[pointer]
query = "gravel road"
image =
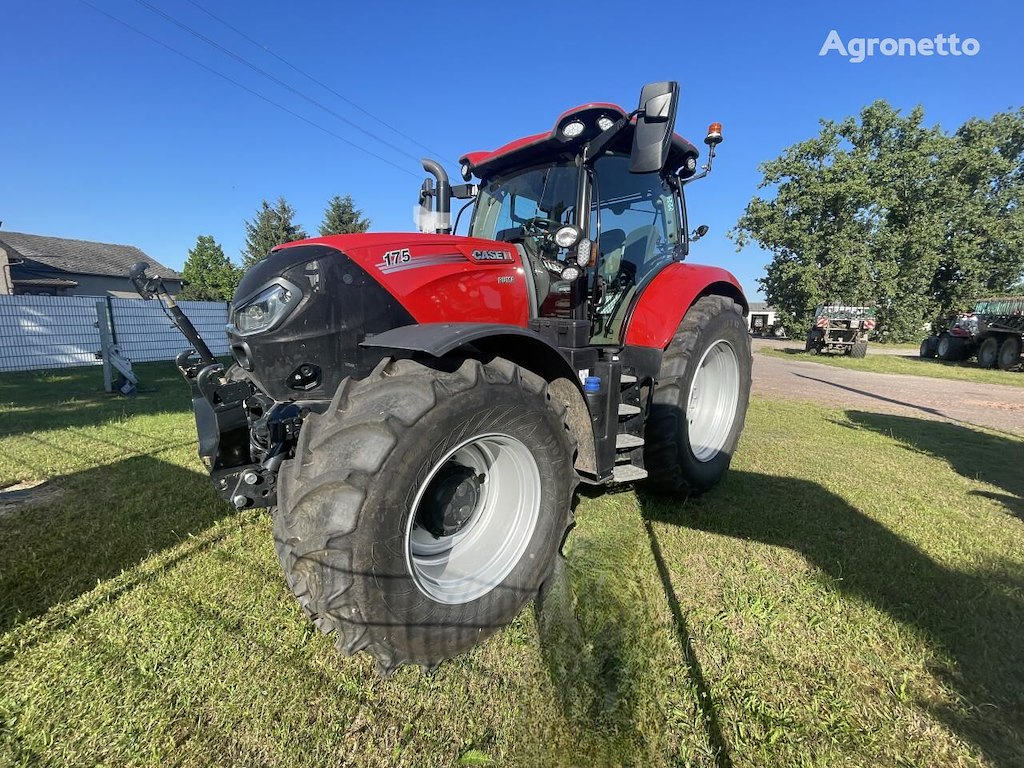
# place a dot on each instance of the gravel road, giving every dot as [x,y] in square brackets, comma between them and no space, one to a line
[995,406]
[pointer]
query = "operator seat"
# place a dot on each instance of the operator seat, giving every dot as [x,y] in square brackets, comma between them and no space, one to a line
[635,250]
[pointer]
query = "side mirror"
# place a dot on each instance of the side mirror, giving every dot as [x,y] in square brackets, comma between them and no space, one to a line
[698,233]
[656,117]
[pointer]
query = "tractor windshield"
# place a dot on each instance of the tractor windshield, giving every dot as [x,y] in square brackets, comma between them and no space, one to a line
[519,204]
[525,208]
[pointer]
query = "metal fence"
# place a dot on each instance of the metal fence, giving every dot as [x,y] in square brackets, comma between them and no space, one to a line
[60,331]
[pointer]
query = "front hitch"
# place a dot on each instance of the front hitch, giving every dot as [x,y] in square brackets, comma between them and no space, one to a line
[153,287]
[242,457]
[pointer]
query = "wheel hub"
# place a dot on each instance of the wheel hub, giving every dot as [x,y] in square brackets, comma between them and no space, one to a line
[450,500]
[712,402]
[473,518]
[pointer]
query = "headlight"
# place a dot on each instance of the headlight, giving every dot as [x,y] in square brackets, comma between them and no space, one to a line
[566,237]
[583,252]
[573,129]
[604,123]
[571,273]
[265,310]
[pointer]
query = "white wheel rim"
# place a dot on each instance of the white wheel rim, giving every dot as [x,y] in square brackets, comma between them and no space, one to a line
[712,400]
[469,563]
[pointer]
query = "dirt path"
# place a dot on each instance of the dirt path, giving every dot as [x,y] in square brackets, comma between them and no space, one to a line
[987,405]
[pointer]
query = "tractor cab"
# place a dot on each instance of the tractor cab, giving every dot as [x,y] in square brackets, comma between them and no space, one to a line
[594,207]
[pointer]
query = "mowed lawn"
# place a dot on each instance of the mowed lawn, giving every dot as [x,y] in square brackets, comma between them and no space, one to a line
[851,595]
[910,364]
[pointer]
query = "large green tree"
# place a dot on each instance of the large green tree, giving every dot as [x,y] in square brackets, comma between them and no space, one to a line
[272,226]
[341,217]
[882,209]
[209,274]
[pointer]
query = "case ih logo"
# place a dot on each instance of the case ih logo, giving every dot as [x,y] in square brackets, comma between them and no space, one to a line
[492,256]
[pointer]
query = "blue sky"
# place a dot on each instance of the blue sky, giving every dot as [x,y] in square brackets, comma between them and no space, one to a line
[105,135]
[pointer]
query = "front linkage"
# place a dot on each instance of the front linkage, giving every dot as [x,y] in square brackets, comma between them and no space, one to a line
[243,461]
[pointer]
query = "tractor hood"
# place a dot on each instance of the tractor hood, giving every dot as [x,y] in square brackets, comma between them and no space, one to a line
[299,315]
[438,278]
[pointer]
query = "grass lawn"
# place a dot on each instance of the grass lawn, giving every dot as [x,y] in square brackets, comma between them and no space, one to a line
[910,346]
[851,595]
[910,364]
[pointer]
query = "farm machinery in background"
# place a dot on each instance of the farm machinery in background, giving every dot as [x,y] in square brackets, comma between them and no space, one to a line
[839,328]
[418,408]
[992,333]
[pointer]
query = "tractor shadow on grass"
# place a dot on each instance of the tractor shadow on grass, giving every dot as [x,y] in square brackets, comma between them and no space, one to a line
[581,621]
[977,455]
[104,521]
[971,618]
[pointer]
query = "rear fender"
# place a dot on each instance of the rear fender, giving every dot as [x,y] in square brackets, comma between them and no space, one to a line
[658,310]
[522,346]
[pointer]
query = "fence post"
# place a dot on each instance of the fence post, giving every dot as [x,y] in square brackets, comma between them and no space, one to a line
[110,314]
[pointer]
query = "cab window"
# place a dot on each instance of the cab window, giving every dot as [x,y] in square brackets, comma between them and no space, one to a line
[637,226]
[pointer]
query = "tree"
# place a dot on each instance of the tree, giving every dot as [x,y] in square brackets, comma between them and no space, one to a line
[883,210]
[209,274]
[341,217]
[272,226]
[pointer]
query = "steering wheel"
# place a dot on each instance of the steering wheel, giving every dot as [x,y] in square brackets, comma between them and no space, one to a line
[540,224]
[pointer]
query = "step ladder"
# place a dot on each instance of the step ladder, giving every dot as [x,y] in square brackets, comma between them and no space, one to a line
[626,442]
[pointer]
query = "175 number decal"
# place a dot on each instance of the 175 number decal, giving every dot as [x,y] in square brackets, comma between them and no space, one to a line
[391,258]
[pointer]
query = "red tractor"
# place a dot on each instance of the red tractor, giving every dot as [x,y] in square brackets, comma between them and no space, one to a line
[417,409]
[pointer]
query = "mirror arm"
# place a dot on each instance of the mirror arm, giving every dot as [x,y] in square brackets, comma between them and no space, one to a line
[703,171]
[593,149]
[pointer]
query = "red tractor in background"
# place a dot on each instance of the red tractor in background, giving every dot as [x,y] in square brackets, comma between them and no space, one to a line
[418,409]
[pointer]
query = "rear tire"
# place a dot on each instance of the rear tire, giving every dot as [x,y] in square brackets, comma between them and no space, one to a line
[700,399]
[859,349]
[988,352]
[1009,353]
[929,348]
[425,508]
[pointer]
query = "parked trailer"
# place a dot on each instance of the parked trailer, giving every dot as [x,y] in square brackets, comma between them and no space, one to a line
[993,333]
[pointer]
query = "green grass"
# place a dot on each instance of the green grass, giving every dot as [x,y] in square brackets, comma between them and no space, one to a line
[910,364]
[910,346]
[851,595]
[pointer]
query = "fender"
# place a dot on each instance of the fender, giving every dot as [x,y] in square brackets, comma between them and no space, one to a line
[659,308]
[522,346]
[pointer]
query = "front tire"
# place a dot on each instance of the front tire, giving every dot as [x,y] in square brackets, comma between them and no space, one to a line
[425,508]
[951,348]
[700,399]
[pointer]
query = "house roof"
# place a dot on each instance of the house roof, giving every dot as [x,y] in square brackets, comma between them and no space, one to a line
[81,257]
[761,306]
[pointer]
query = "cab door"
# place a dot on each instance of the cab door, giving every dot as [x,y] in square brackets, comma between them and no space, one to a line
[637,223]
